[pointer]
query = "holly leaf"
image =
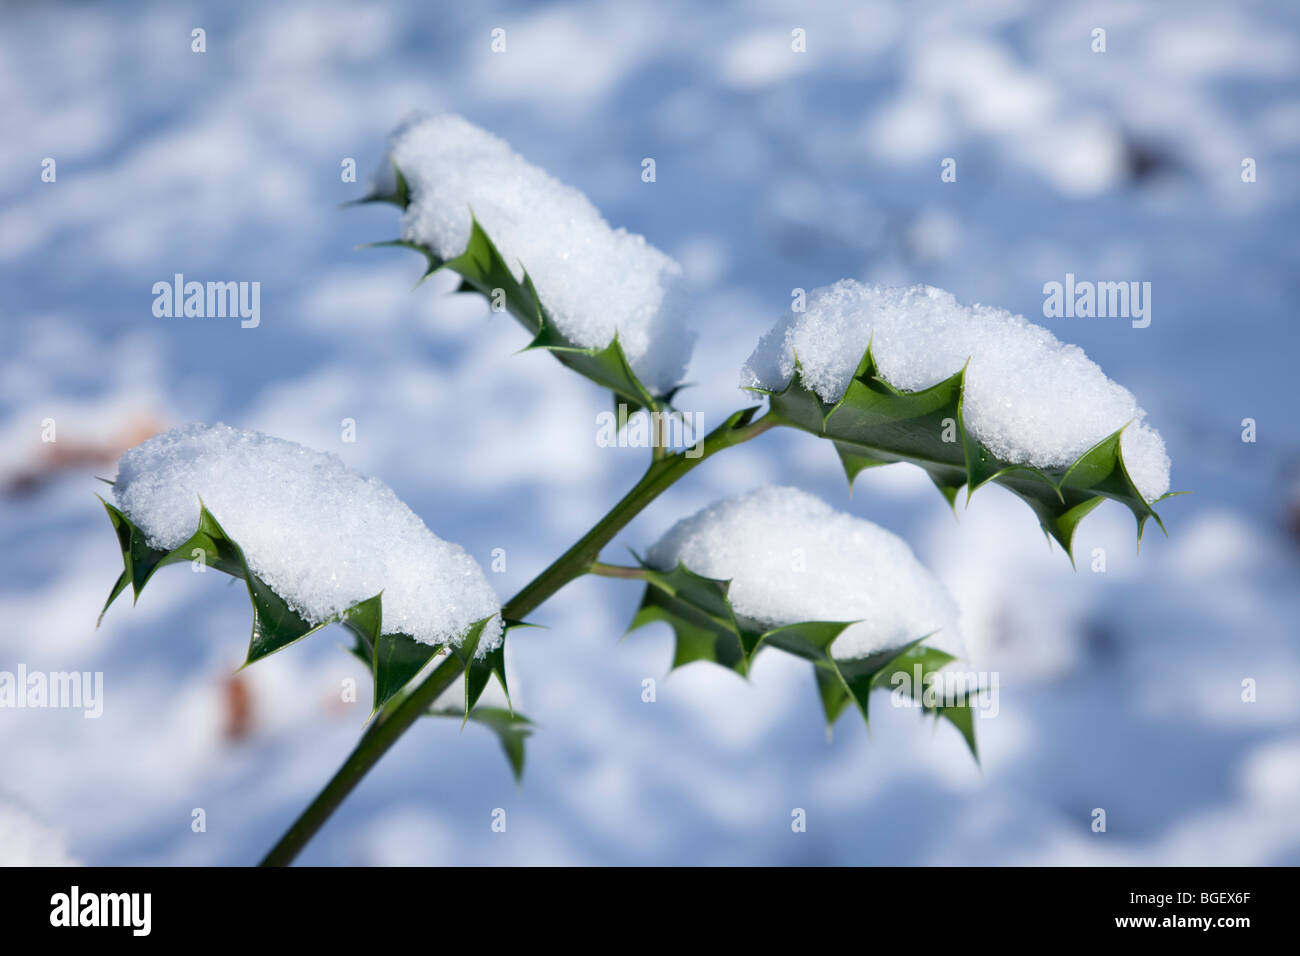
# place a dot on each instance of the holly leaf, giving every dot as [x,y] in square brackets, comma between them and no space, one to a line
[918,674]
[483,269]
[480,668]
[875,424]
[697,610]
[397,192]
[394,659]
[510,728]
[706,628]
[276,624]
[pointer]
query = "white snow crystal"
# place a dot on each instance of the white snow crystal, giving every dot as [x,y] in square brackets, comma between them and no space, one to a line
[1029,398]
[320,535]
[792,558]
[594,281]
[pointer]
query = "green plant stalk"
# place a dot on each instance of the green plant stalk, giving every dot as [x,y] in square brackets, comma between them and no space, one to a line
[374,743]
[398,716]
[601,569]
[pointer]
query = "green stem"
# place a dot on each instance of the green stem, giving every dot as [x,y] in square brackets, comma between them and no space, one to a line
[395,719]
[383,733]
[616,571]
[658,478]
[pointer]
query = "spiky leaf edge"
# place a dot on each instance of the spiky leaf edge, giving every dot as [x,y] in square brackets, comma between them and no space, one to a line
[876,424]
[706,628]
[394,659]
[511,729]
[483,269]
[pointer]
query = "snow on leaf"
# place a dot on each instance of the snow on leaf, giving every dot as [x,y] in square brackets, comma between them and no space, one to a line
[482,269]
[707,629]
[876,424]
[394,659]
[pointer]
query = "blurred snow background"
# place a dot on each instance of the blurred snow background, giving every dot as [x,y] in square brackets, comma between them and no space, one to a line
[1119,690]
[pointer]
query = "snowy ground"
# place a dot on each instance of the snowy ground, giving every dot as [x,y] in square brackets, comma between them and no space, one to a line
[1120,691]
